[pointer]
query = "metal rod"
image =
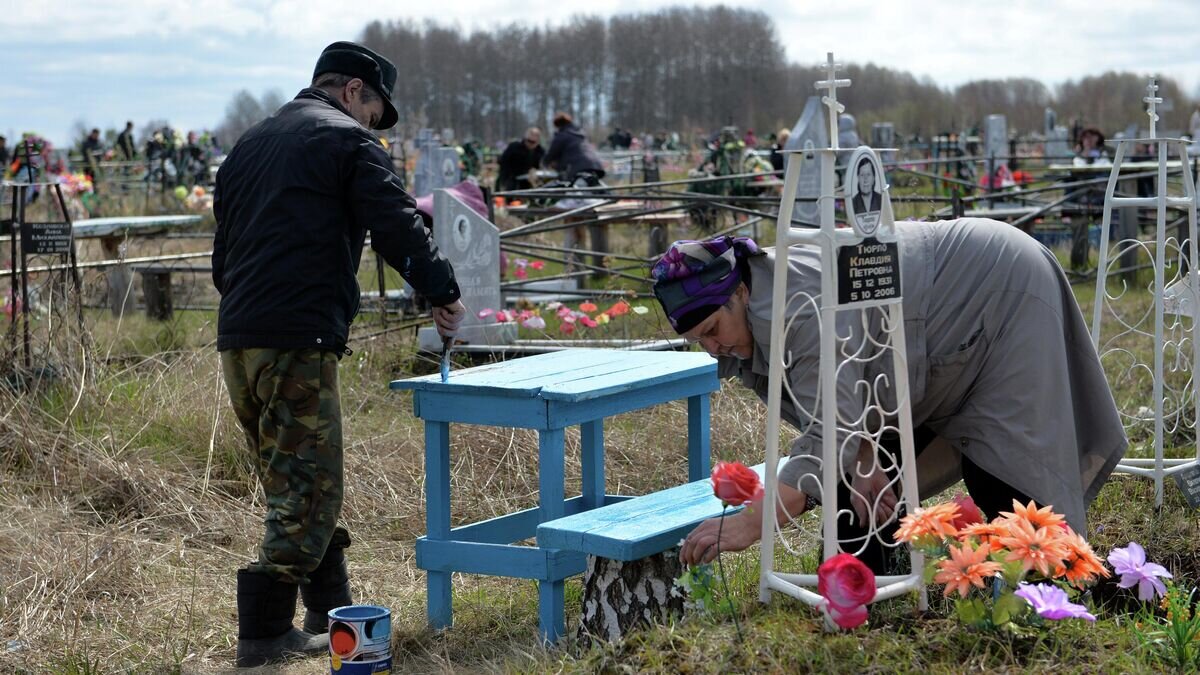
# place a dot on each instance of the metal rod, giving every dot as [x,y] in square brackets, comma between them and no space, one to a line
[99,264]
[510,246]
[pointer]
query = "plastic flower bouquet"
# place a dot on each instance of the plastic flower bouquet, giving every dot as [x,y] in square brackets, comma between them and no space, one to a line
[1022,567]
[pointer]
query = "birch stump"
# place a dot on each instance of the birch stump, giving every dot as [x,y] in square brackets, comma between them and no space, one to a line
[620,596]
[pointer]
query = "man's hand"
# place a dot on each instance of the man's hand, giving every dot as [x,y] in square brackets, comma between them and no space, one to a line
[740,531]
[448,317]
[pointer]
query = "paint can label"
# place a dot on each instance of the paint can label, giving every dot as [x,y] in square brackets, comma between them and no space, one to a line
[360,640]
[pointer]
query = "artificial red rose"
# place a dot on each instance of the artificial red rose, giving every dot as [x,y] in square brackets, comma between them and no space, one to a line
[735,484]
[968,512]
[848,619]
[846,584]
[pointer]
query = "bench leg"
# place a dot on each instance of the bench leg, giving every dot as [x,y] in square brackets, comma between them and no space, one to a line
[437,518]
[591,436]
[551,448]
[698,438]
[551,624]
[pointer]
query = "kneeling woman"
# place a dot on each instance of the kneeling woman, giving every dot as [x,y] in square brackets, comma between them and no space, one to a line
[1007,392]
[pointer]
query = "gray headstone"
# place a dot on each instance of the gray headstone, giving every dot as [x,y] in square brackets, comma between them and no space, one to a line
[472,245]
[1057,150]
[437,166]
[996,136]
[883,135]
[809,133]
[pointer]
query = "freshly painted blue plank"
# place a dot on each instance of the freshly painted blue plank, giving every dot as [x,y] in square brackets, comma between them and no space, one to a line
[633,374]
[514,375]
[656,508]
[567,413]
[698,437]
[637,527]
[514,526]
[568,374]
[437,518]
[439,406]
[591,442]
[550,473]
[522,562]
[551,624]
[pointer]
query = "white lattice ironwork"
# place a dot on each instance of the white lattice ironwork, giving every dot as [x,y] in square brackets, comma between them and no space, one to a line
[1146,341]
[864,339]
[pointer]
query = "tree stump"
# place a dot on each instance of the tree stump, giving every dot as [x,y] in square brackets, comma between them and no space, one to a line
[620,596]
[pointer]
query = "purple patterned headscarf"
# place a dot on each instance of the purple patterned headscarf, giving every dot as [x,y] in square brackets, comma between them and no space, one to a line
[693,279]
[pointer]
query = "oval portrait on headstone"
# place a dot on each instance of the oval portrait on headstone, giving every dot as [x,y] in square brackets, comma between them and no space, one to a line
[449,171]
[864,191]
[460,233]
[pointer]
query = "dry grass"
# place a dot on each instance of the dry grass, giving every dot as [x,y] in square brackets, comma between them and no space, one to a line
[128,503]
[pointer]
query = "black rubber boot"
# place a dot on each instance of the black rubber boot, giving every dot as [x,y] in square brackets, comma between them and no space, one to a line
[328,587]
[266,608]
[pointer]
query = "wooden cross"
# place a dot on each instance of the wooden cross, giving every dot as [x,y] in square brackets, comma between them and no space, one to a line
[1153,100]
[832,84]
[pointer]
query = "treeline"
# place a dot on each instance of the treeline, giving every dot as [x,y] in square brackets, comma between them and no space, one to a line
[693,70]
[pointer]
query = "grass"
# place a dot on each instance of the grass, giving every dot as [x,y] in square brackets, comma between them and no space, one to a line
[128,503]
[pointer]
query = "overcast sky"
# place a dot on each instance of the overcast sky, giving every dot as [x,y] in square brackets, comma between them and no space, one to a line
[102,62]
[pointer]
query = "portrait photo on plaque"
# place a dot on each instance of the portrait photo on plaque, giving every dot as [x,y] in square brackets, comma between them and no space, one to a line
[864,191]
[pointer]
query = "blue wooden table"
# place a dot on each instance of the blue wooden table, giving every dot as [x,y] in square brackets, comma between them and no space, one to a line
[547,392]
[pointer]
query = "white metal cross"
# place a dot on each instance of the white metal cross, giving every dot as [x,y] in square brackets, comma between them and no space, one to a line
[1153,100]
[832,84]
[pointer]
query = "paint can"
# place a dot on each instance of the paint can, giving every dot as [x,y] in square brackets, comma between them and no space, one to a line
[360,640]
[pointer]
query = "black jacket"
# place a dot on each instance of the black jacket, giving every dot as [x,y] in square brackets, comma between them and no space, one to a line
[516,161]
[570,152]
[293,203]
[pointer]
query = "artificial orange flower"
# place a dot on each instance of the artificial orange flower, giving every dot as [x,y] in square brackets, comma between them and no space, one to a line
[1043,517]
[986,533]
[966,567]
[1080,566]
[937,520]
[1041,548]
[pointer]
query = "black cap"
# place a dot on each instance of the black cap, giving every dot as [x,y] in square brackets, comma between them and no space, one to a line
[356,60]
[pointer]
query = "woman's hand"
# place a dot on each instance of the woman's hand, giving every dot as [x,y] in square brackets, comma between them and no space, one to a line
[865,489]
[739,532]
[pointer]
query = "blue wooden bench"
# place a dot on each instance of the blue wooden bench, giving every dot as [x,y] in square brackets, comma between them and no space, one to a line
[638,527]
[548,393]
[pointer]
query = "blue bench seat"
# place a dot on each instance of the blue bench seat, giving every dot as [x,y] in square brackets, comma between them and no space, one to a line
[637,527]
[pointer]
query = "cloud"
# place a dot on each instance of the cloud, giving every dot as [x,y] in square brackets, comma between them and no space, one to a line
[185,60]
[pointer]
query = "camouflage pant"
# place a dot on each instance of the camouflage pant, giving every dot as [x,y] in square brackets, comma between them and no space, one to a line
[287,403]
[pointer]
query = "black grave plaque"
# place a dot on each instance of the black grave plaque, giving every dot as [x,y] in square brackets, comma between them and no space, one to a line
[1188,481]
[46,238]
[868,271]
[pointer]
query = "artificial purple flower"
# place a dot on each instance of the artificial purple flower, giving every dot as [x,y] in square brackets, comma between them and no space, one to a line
[1051,602]
[1130,563]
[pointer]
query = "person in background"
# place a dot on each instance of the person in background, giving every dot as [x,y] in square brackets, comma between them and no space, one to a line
[750,139]
[125,143]
[92,149]
[518,159]
[1091,145]
[777,156]
[4,155]
[294,201]
[570,152]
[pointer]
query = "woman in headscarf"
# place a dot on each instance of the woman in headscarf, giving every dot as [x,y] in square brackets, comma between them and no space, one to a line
[1007,393]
